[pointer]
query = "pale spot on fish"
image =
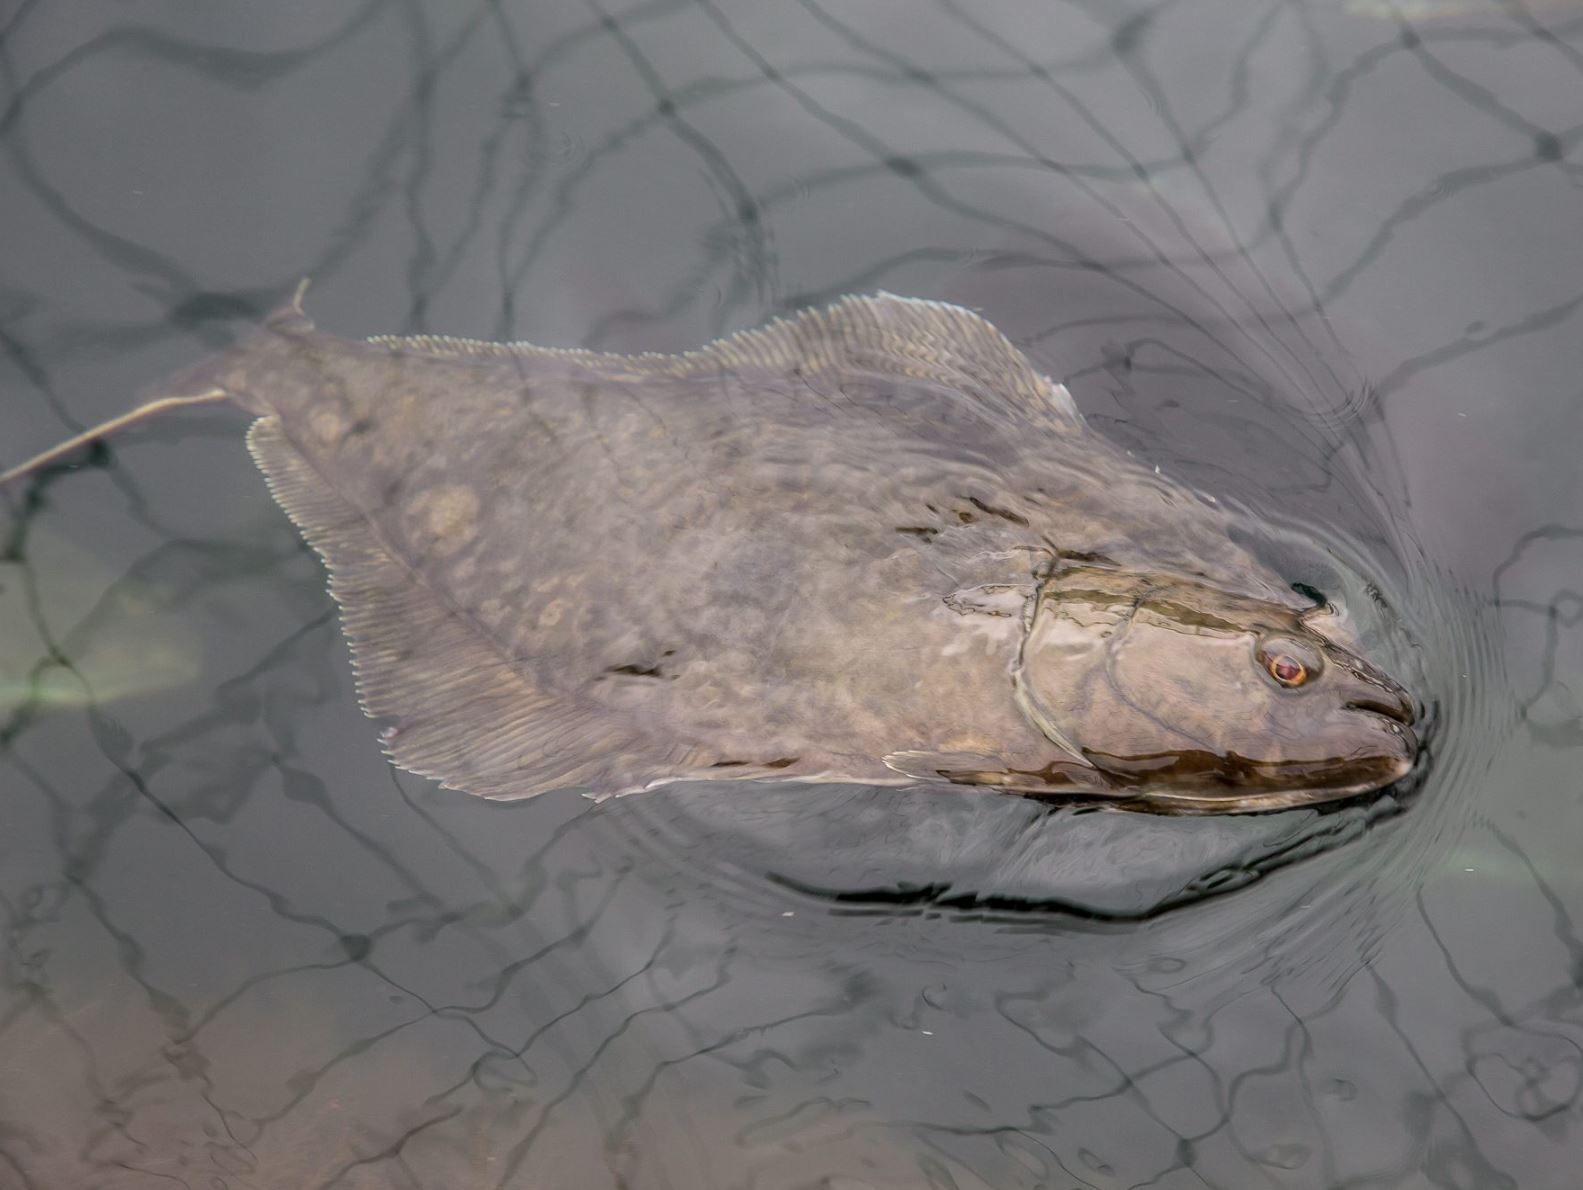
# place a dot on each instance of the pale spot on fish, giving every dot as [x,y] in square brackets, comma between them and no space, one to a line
[328,426]
[445,516]
[492,611]
[552,613]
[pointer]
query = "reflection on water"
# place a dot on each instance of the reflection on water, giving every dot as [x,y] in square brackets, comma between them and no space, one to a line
[1300,257]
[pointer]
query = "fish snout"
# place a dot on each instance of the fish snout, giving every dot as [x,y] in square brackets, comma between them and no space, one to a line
[1367,689]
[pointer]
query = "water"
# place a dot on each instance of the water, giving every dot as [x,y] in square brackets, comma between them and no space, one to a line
[1312,258]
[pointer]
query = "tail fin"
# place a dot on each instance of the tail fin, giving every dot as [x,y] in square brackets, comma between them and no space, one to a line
[143,412]
[289,319]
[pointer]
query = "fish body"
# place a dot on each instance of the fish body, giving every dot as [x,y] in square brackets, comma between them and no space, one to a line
[870,543]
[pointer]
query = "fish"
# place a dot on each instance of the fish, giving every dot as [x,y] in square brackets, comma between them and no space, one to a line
[868,543]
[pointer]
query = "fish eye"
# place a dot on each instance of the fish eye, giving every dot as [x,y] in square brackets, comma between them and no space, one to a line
[1286,669]
[1289,663]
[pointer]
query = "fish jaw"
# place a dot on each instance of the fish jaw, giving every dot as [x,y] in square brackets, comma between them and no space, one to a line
[1381,773]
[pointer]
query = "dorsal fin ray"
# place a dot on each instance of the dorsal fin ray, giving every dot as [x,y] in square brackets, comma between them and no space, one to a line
[883,335]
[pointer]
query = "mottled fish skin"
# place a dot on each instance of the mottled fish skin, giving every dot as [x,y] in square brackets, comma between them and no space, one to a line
[813,551]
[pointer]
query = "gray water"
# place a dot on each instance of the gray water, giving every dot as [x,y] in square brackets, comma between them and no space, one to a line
[1320,259]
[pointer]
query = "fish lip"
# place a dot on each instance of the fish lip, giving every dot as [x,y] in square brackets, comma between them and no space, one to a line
[1407,761]
[1410,746]
[1270,801]
[1192,804]
[1409,751]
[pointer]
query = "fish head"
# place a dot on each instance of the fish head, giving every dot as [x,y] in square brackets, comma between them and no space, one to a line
[1191,699]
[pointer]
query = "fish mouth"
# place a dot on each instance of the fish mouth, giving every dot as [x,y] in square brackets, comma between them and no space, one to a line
[1389,704]
[1397,714]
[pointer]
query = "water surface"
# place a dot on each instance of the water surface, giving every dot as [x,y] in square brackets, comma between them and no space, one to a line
[1313,258]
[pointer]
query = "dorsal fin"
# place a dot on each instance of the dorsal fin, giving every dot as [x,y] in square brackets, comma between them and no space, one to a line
[885,335]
